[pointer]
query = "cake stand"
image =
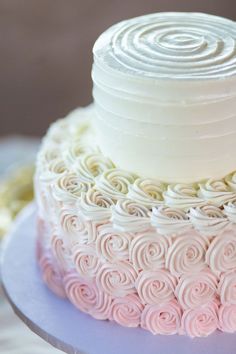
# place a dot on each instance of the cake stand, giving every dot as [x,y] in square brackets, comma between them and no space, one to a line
[66,328]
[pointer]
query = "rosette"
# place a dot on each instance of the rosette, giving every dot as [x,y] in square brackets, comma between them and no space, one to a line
[231,181]
[111,244]
[216,192]
[130,216]
[117,279]
[146,191]
[227,318]
[209,220]
[86,296]
[127,310]
[156,287]
[115,182]
[74,150]
[201,321]
[230,211]
[162,318]
[59,252]
[221,255]
[148,250]
[170,221]
[187,254]
[54,169]
[183,196]
[196,289]
[85,260]
[227,288]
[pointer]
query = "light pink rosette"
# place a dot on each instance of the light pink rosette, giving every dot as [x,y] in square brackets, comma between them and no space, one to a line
[155,287]
[162,318]
[227,288]
[117,279]
[85,260]
[201,321]
[127,310]
[148,250]
[59,252]
[187,254]
[51,275]
[196,289]
[41,230]
[227,318]
[85,295]
[111,244]
[221,255]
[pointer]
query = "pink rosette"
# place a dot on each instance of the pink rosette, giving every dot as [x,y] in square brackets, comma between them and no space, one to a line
[112,244]
[187,254]
[51,275]
[162,318]
[221,255]
[155,287]
[148,250]
[40,228]
[227,318]
[196,289]
[117,279]
[87,297]
[85,260]
[127,310]
[227,288]
[201,321]
[59,252]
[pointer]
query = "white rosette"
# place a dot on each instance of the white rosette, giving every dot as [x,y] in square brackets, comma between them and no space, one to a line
[129,216]
[196,289]
[216,192]
[148,250]
[155,287]
[115,182]
[117,279]
[111,244]
[231,181]
[58,131]
[85,260]
[170,221]
[182,196]
[221,255]
[48,153]
[60,253]
[230,211]
[209,220]
[90,166]
[187,254]
[95,206]
[76,149]
[146,191]
[54,169]
[227,288]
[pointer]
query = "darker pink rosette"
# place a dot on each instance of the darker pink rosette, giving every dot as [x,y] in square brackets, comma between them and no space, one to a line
[127,310]
[227,318]
[162,318]
[227,288]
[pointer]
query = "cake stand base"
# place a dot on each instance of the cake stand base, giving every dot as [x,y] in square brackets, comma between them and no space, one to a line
[66,328]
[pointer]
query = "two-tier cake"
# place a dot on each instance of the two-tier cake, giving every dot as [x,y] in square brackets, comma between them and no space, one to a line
[136,193]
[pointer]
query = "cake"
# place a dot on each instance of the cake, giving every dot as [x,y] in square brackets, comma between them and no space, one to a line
[136,193]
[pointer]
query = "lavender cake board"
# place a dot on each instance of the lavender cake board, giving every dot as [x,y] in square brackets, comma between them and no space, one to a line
[66,328]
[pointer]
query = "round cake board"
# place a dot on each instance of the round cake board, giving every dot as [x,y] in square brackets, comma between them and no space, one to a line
[62,325]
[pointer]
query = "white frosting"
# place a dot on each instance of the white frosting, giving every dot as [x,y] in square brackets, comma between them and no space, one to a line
[164,90]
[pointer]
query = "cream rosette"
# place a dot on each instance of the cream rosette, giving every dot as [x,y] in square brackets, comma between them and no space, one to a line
[156,287]
[85,260]
[48,153]
[91,165]
[182,196]
[227,318]
[127,310]
[230,211]
[170,221]
[187,254]
[95,206]
[216,192]
[117,279]
[129,216]
[231,181]
[111,244]
[227,288]
[209,220]
[162,318]
[148,250]
[58,131]
[115,182]
[196,289]
[221,255]
[87,297]
[53,170]
[74,150]
[201,321]
[146,191]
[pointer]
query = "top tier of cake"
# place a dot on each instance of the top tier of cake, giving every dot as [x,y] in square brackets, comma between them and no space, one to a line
[165,95]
